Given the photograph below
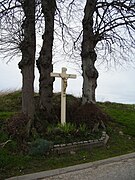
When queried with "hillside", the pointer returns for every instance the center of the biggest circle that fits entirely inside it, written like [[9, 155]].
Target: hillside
[[119, 121]]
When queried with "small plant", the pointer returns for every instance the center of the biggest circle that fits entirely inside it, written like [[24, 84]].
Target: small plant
[[83, 128], [67, 127], [50, 129]]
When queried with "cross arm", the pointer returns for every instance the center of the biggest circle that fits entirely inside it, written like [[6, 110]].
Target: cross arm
[[73, 76], [55, 74], [63, 75]]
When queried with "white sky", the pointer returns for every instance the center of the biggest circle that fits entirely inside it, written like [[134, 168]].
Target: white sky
[[113, 85]]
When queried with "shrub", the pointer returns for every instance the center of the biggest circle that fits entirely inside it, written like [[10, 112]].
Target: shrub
[[16, 127], [40, 147]]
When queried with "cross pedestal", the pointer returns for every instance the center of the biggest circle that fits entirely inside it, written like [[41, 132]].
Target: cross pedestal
[[64, 77]]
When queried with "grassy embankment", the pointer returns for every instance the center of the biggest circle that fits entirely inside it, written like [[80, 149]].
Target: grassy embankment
[[121, 131]]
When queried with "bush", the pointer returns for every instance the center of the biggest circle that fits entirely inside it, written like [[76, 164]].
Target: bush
[[40, 147], [16, 127]]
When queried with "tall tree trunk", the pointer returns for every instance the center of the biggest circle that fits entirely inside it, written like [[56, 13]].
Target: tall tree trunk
[[88, 55], [28, 48], [44, 62]]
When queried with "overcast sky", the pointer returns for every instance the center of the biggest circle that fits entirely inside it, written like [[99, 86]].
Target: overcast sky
[[113, 85]]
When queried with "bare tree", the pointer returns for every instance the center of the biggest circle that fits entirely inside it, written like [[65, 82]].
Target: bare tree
[[110, 23], [107, 34], [18, 35], [108, 30], [28, 49], [44, 62], [11, 35], [18, 24]]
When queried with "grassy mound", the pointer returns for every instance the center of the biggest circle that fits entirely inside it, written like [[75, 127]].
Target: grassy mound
[[14, 158]]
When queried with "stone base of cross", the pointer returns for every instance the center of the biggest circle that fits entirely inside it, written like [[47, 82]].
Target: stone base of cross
[[64, 77]]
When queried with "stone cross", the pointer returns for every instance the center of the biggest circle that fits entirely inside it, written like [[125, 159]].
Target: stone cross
[[64, 77]]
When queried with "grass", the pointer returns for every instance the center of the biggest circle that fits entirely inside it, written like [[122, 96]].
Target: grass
[[18, 164], [123, 114], [6, 115], [13, 163], [10, 101]]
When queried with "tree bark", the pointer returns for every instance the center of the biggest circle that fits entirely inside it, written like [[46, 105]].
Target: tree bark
[[28, 48], [88, 55], [44, 62]]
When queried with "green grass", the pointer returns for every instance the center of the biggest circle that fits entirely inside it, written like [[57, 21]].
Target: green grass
[[6, 115], [13, 163], [10, 101], [123, 114], [18, 164]]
